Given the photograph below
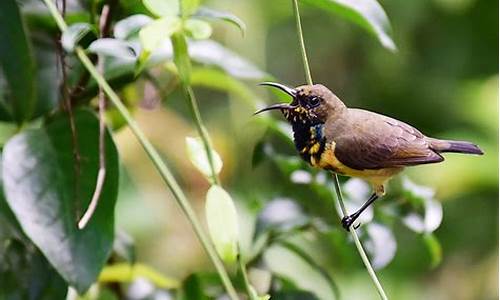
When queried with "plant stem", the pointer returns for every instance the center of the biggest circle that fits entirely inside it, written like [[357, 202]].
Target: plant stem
[[355, 237], [155, 158], [202, 131], [357, 242], [305, 61], [246, 282]]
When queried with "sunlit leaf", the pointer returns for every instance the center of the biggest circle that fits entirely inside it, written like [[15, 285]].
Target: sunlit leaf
[[198, 156], [220, 15], [381, 244], [162, 8], [16, 62], [222, 221], [369, 14], [158, 31], [130, 26], [198, 29], [47, 198], [78, 34]]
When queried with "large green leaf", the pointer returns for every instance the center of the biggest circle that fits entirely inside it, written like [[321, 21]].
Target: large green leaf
[[47, 197], [366, 13], [16, 61]]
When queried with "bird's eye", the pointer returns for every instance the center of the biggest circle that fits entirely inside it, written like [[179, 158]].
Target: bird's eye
[[314, 101]]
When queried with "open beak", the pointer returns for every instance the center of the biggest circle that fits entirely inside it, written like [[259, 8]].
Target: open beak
[[280, 106]]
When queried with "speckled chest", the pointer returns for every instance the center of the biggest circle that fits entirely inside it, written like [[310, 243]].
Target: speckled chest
[[309, 140]]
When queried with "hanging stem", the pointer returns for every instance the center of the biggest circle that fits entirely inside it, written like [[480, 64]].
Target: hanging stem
[[305, 61], [355, 237], [202, 131], [155, 157]]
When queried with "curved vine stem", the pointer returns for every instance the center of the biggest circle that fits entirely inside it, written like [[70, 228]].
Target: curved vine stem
[[155, 157], [340, 199]]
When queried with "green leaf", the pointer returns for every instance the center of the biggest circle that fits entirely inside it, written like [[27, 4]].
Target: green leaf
[[181, 57], [222, 221], [17, 62], [434, 248], [366, 13], [47, 197], [198, 29], [209, 13], [152, 35], [212, 53], [78, 34], [130, 26], [113, 47], [198, 156], [162, 8], [188, 7]]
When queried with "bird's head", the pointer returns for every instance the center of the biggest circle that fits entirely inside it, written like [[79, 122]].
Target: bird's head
[[310, 103]]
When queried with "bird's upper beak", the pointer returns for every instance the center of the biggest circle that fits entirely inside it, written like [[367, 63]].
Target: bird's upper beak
[[281, 106]]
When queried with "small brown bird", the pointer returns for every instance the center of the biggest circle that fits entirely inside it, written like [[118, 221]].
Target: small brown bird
[[356, 142]]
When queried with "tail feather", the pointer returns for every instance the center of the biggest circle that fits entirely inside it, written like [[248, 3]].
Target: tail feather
[[455, 146]]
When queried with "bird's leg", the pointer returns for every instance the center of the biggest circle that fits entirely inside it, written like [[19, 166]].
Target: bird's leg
[[347, 221]]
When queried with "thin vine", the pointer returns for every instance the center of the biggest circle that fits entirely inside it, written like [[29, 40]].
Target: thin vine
[[338, 190]]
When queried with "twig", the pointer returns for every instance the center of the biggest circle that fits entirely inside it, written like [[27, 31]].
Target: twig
[[101, 175], [66, 104], [357, 242], [155, 157]]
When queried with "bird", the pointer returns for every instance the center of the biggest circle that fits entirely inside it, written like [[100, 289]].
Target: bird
[[356, 142]]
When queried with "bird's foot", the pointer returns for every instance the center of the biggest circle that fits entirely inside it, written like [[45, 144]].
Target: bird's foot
[[347, 221]]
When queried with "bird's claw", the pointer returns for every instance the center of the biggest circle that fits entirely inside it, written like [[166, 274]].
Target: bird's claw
[[347, 221]]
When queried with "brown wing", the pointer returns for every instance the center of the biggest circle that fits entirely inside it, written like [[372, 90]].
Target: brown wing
[[372, 141]]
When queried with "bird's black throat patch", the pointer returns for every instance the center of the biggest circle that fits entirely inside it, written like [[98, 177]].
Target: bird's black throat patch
[[308, 134]]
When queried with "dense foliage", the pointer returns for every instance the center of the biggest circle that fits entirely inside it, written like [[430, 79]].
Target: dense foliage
[[188, 71]]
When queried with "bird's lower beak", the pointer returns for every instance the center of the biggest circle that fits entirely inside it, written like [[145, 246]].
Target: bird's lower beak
[[281, 106]]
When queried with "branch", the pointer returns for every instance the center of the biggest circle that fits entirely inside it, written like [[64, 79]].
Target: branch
[[357, 242]]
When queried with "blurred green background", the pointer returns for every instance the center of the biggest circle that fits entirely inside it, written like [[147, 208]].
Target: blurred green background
[[443, 80]]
